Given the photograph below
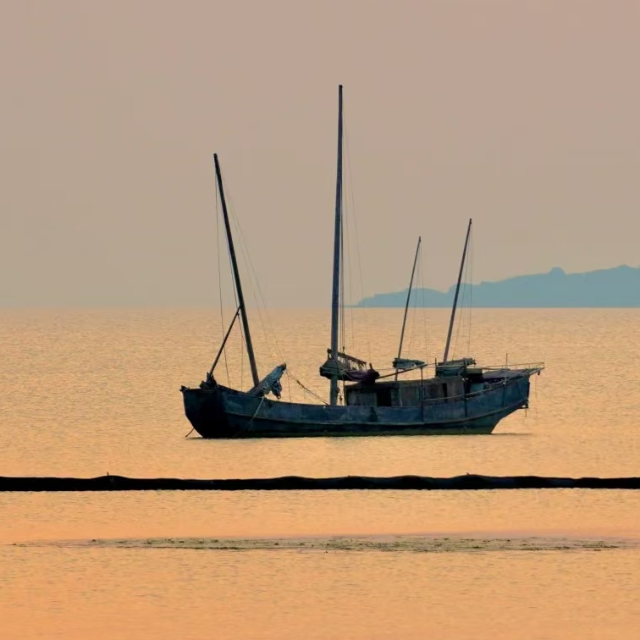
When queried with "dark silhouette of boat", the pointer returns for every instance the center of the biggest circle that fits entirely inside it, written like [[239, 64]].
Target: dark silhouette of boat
[[460, 398]]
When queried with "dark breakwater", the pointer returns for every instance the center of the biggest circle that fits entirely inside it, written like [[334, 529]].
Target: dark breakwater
[[297, 483]]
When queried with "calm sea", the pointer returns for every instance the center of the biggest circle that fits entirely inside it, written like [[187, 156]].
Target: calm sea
[[86, 392]]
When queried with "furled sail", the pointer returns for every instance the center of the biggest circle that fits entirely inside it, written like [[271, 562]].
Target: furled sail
[[270, 383], [348, 368], [454, 367], [404, 364]]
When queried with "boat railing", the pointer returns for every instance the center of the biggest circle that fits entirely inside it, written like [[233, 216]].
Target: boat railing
[[525, 366], [527, 370], [522, 366]]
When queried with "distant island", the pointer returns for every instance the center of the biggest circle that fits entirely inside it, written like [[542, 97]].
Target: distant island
[[618, 287]]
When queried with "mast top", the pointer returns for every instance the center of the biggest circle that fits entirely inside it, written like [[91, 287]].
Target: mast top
[[236, 275], [455, 297]]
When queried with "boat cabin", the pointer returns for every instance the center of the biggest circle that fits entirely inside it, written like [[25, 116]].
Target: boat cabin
[[405, 393], [453, 380]]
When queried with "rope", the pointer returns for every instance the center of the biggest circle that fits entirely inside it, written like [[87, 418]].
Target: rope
[[471, 245], [315, 395], [348, 288], [222, 323], [242, 336], [425, 336], [413, 305], [357, 241], [341, 297], [465, 292], [346, 271], [256, 412], [241, 359], [261, 308]]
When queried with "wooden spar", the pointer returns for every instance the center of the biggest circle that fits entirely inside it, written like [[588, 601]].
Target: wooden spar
[[337, 245], [236, 277], [455, 298], [224, 341], [406, 306]]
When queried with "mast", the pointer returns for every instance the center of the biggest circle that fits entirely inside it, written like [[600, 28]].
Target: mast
[[236, 277], [337, 245], [455, 298], [406, 306]]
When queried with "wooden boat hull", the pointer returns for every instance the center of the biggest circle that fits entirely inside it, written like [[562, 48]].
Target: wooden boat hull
[[221, 412]]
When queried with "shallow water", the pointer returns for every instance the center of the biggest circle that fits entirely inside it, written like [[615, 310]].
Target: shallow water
[[86, 392]]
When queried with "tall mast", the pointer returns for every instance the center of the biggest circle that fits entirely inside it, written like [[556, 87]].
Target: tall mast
[[406, 306], [236, 277], [337, 245], [455, 298]]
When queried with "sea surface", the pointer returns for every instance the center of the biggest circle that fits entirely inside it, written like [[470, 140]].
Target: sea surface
[[90, 392]]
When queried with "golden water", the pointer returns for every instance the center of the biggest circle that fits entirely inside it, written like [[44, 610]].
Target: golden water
[[89, 392]]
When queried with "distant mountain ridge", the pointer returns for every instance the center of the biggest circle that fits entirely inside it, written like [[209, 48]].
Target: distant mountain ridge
[[617, 287]]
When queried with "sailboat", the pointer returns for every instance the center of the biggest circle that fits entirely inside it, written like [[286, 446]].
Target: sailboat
[[459, 398]]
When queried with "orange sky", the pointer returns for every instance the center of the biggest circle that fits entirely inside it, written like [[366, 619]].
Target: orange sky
[[522, 114]]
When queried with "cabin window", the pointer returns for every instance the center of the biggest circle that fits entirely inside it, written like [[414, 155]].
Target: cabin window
[[384, 397]]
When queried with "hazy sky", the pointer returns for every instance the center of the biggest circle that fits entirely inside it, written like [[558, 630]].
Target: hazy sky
[[522, 114]]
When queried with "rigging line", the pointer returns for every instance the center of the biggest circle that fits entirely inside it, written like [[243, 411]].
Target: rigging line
[[242, 360], [309, 391], [352, 288], [411, 309], [418, 306], [348, 275], [222, 322], [365, 307], [238, 232], [242, 336], [256, 286], [416, 326], [412, 335], [463, 300], [466, 291], [461, 305], [258, 295], [246, 262], [256, 412], [344, 282], [343, 231], [413, 339], [261, 308], [342, 270], [350, 241], [423, 307], [234, 289], [261, 300], [469, 293], [471, 256]]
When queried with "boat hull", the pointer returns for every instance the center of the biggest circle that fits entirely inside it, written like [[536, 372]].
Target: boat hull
[[220, 412]]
